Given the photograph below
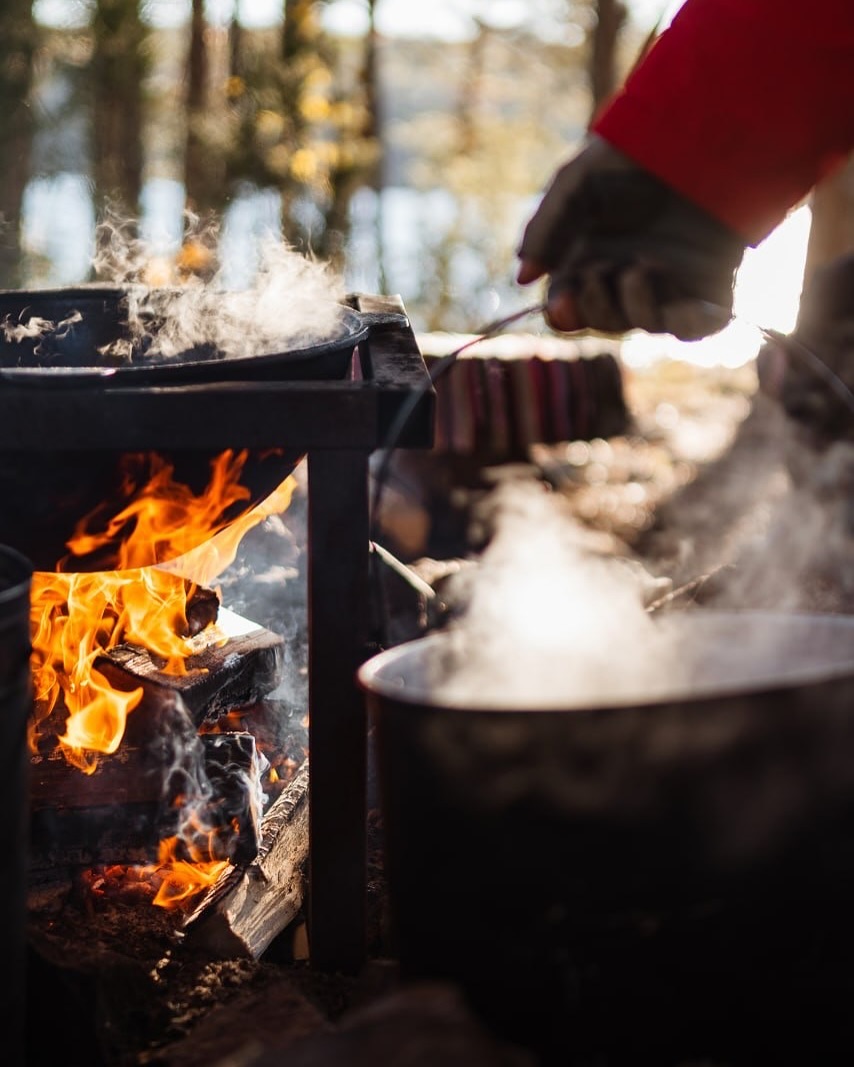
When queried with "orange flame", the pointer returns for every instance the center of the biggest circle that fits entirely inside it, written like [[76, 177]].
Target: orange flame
[[76, 618], [182, 880], [165, 518]]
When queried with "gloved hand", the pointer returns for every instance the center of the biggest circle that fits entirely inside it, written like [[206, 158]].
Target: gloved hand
[[623, 251]]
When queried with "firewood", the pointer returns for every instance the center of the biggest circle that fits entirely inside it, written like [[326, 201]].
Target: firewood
[[137, 796], [202, 610], [233, 769], [240, 672], [251, 905]]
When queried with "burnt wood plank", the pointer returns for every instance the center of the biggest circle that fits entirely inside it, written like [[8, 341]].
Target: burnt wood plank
[[240, 672], [253, 904], [159, 732]]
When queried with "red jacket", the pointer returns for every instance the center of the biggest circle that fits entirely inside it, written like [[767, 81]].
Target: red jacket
[[742, 105]]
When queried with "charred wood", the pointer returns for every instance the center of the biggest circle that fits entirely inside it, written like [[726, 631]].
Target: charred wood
[[141, 794], [233, 816], [251, 905], [218, 679], [202, 610]]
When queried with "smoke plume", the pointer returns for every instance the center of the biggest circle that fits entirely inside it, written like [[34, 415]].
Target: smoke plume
[[548, 623]]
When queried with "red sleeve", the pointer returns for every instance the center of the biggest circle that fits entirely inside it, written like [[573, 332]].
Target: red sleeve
[[742, 105]]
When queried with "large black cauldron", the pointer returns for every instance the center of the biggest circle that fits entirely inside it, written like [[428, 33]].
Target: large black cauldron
[[662, 879], [86, 337]]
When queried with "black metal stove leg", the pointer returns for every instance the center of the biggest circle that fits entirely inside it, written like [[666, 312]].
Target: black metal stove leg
[[338, 537]]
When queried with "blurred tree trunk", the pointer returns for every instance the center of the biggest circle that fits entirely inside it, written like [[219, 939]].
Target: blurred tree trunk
[[119, 67], [466, 137], [375, 129], [610, 18], [329, 144], [198, 179], [235, 46], [360, 160], [17, 49], [295, 35], [832, 228]]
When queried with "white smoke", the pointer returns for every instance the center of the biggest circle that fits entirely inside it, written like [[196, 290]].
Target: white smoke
[[547, 622], [294, 300]]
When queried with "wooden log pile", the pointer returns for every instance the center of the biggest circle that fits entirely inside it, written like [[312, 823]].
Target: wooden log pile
[[215, 738], [137, 796]]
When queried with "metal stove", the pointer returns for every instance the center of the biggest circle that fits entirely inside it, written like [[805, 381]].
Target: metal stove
[[337, 424]]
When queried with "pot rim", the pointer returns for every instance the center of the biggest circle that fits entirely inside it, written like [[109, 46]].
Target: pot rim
[[382, 676], [353, 328]]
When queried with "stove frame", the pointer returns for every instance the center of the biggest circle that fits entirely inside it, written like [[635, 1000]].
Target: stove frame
[[337, 424]]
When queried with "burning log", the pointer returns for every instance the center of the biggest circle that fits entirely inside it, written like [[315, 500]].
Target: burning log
[[240, 672], [136, 796], [120, 812], [234, 771], [144, 793], [203, 608], [251, 905]]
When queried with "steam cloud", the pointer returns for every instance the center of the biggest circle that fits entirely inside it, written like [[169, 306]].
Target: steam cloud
[[187, 306], [293, 302], [36, 327], [546, 622]]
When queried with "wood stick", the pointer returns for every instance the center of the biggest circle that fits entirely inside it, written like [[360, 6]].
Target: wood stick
[[251, 905], [240, 672]]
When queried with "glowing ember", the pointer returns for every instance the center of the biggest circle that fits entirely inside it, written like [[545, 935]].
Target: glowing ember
[[171, 883]]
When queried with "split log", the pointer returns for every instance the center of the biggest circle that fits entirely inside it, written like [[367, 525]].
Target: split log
[[141, 794], [252, 905], [240, 672]]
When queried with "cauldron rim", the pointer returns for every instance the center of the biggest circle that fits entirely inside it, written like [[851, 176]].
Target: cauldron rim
[[383, 677]]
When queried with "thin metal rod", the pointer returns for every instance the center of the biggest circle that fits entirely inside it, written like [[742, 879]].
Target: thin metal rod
[[396, 428], [798, 348], [435, 372]]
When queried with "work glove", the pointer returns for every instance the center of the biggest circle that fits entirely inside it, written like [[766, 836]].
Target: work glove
[[623, 251]]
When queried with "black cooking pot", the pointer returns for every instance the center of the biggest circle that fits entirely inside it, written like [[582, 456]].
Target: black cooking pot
[[661, 877], [105, 336], [108, 335]]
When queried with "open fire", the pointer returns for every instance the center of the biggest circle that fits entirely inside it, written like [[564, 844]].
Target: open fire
[[91, 847], [170, 614]]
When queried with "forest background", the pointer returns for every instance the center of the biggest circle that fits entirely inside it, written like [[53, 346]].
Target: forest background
[[408, 163]]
